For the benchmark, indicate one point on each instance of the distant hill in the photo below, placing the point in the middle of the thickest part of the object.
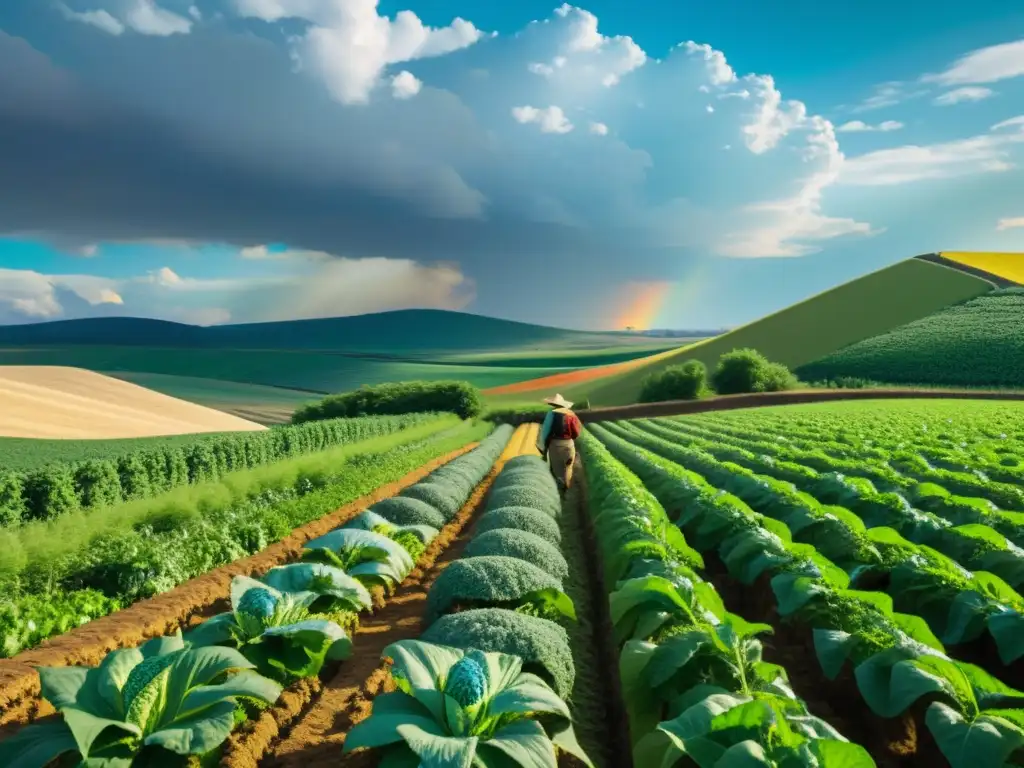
(978, 343)
(804, 332)
(404, 333)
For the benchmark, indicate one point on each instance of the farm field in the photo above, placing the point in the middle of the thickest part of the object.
(794, 336)
(846, 574)
(69, 403)
(1009, 266)
(977, 343)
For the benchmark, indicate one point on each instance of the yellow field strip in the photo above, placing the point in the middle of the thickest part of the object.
(1009, 266)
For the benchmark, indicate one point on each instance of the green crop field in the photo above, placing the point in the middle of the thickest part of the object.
(974, 344)
(807, 331)
(814, 586)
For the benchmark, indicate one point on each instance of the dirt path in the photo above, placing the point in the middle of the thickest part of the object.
(163, 614)
(318, 737)
(760, 400)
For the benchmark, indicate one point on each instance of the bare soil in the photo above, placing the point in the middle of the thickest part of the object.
(162, 615)
(75, 404)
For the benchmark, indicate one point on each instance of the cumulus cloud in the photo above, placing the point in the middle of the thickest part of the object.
(1010, 223)
(859, 126)
(348, 44)
(985, 153)
(250, 151)
(325, 288)
(959, 95)
(550, 119)
(142, 16)
(405, 85)
(985, 65)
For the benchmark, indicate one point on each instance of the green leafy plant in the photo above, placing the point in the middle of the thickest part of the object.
(161, 697)
(336, 591)
(274, 630)
(370, 557)
(454, 707)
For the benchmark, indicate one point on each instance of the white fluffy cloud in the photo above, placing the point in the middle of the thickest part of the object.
(550, 119)
(142, 16)
(986, 153)
(405, 85)
(326, 287)
(349, 44)
(1016, 222)
(985, 65)
(599, 129)
(859, 126)
(959, 95)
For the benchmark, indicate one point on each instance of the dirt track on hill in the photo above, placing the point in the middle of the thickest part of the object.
(760, 400)
(163, 614)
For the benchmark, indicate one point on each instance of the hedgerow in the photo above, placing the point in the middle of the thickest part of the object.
(458, 397)
(56, 489)
(542, 644)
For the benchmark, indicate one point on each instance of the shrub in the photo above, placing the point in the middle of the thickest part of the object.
(521, 519)
(688, 381)
(458, 397)
(97, 483)
(747, 370)
(524, 414)
(50, 492)
(490, 580)
(541, 644)
(134, 477)
(523, 545)
(12, 504)
(402, 510)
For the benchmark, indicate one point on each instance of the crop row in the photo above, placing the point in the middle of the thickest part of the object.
(183, 695)
(60, 488)
(958, 605)
(61, 574)
(915, 452)
(694, 679)
(494, 648)
(895, 662)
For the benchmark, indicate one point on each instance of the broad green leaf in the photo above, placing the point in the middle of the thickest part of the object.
(37, 745)
(87, 728)
(246, 683)
(982, 742)
(61, 686)
(1007, 629)
(438, 751)
(890, 682)
(316, 634)
(529, 694)
(390, 710)
(525, 742)
(746, 754)
(111, 676)
(320, 579)
(833, 648)
(422, 664)
(564, 738)
(213, 631)
(642, 708)
(195, 667)
(832, 753)
(198, 733)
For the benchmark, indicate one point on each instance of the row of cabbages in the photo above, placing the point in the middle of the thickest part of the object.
(487, 682)
(183, 695)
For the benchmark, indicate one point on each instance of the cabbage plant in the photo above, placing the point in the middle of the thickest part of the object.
(275, 630)
(138, 702)
(370, 557)
(336, 591)
(465, 708)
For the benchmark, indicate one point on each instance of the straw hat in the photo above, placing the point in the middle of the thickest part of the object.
(558, 401)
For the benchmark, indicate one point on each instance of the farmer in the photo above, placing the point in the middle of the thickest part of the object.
(555, 442)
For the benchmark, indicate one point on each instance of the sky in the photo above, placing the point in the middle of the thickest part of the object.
(659, 163)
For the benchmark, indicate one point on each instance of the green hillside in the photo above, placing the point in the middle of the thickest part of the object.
(976, 343)
(811, 329)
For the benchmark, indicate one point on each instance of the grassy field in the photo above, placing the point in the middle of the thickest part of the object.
(975, 344)
(808, 330)
(21, 454)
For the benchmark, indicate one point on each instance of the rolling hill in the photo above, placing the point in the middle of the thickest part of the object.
(804, 332)
(978, 343)
(70, 404)
(262, 371)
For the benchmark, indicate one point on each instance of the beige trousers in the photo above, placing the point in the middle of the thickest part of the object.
(561, 457)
